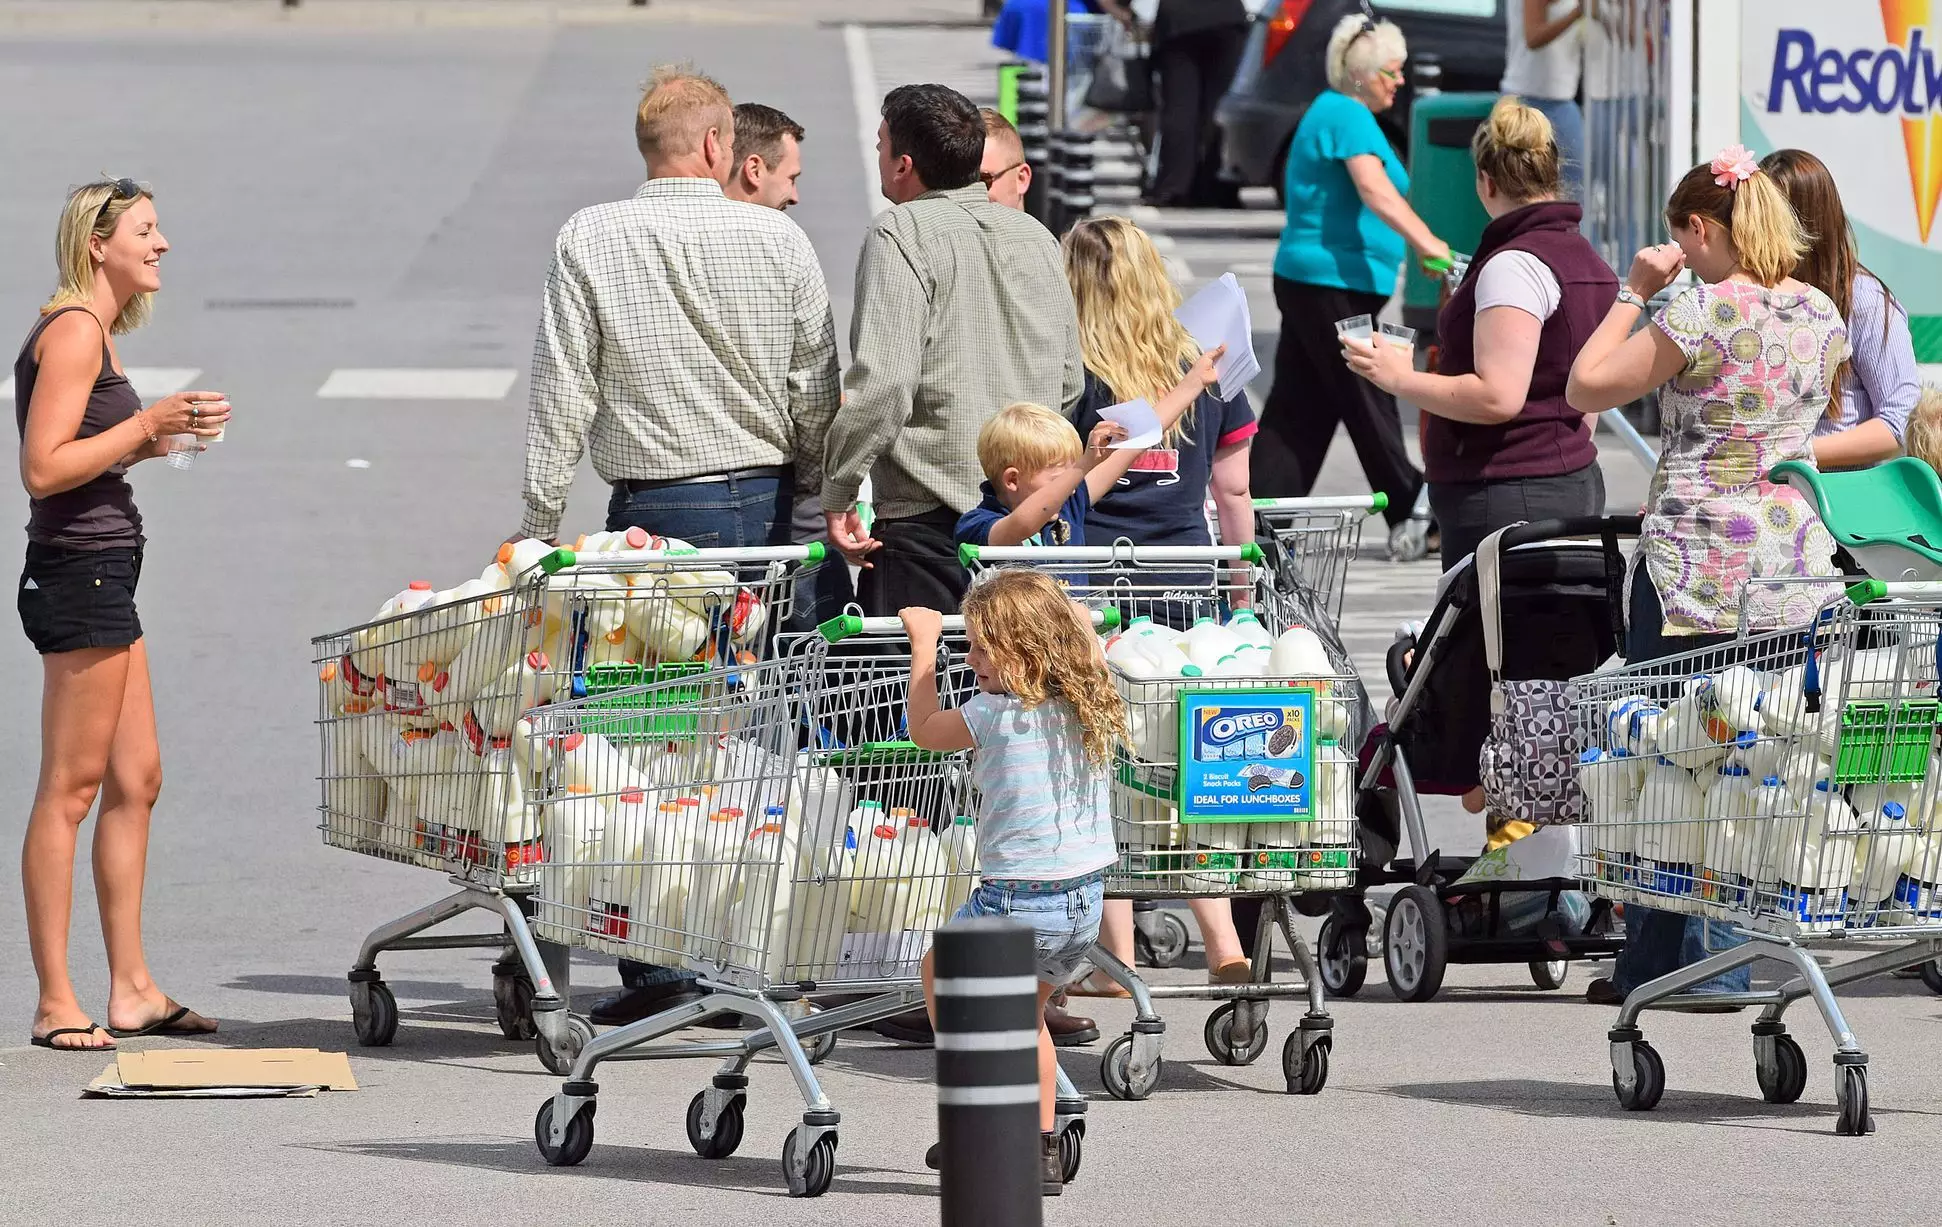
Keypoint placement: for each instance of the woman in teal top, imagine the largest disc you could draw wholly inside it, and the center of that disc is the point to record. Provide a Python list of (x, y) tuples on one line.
[(1347, 232)]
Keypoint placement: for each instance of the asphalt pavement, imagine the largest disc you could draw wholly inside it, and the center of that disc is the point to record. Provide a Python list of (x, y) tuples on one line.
[(361, 201)]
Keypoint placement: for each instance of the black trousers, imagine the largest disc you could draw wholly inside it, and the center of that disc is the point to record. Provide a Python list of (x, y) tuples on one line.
[(1313, 391), (1194, 70), (917, 565), (1468, 511)]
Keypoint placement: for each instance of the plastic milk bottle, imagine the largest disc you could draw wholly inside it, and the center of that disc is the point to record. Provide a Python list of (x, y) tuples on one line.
[(717, 882), (1887, 847), (882, 892), (1671, 833), (572, 830), (960, 843), (815, 944), (927, 868), (1299, 652)]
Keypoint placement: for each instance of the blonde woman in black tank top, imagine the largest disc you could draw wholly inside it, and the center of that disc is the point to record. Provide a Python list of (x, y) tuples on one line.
[(81, 428)]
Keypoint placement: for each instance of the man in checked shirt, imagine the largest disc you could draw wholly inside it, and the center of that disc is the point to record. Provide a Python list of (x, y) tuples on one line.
[(685, 339)]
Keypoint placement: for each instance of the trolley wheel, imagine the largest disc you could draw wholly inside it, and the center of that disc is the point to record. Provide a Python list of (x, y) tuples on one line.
[(1786, 1078), (1306, 1073), (728, 1128), (1415, 944), (1932, 975), (1344, 958), (578, 1141), (374, 1013), (820, 1167), (1168, 942), (818, 1049), (560, 1060), (1225, 1046), (1549, 973), (1851, 1096), (1072, 1149), (1116, 1071), (512, 1005), (1649, 1074)]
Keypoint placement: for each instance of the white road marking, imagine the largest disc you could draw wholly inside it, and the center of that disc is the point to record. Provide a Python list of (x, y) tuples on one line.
[(418, 383), (149, 382), (869, 111)]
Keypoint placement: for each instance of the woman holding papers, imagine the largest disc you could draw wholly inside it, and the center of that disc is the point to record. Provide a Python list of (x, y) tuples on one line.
[(1502, 445), (1135, 349), (1344, 241)]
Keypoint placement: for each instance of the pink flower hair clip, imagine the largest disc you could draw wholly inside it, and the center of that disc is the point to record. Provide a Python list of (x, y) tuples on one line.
[(1733, 166)]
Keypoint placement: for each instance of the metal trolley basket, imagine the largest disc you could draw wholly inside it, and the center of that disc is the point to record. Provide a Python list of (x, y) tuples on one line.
[(1781, 787), (1311, 543), (1276, 829), (423, 764), (788, 843)]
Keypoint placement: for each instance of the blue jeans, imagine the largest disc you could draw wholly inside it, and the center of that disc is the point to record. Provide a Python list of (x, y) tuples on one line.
[(1659, 942), (1065, 923), (733, 514), (1568, 126)]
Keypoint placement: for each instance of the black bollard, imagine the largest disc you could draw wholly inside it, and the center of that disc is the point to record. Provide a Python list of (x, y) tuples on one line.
[(1075, 179), (1035, 135), (987, 1074)]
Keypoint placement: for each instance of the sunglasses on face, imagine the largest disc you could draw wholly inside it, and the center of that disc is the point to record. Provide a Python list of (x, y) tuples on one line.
[(993, 176), (122, 189)]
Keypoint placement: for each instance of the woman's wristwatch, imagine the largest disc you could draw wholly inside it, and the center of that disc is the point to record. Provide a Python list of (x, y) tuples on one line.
[(1630, 296)]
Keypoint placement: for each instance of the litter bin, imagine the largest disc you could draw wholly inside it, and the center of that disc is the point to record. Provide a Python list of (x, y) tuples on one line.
[(1442, 188)]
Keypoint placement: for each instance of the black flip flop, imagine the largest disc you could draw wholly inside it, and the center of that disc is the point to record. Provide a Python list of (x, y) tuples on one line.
[(162, 1026), (47, 1041)]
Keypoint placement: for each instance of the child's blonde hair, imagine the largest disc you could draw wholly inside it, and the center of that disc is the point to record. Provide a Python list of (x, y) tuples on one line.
[(1923, 439), (1026, 437), (1043, 647)]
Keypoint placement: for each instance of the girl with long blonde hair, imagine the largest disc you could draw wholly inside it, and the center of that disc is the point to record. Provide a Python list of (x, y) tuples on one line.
[(1134, 347), (1043, 724)]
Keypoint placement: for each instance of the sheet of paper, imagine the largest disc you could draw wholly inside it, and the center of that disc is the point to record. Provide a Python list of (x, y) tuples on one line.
[(1218, 315), (1141, 423)]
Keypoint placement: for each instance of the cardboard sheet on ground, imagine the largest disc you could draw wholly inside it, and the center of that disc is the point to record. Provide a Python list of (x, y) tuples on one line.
[(1547, 852), (1141, 423), (218, 1073), (1218, 315)]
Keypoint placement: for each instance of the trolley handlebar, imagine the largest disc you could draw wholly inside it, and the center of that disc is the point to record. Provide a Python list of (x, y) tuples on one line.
[(813, 552), (846, 626), (1870, 590), (1368, 503), (1121, 551)]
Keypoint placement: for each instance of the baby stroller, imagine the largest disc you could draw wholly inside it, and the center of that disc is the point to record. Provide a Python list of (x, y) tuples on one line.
[(1561, 589)]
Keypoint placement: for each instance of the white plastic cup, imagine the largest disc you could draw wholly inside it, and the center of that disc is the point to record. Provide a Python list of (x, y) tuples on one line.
[(1400, 336), (1356, 327)]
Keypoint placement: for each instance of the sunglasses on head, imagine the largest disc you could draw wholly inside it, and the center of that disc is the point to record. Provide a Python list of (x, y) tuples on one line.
[(989, 178), (120, 189)]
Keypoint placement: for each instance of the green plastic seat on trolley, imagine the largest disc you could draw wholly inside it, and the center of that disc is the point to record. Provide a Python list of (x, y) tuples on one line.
[(1888, 518)]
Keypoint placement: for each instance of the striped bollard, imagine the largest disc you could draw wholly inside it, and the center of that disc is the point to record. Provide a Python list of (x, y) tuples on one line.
[(987, 1074)]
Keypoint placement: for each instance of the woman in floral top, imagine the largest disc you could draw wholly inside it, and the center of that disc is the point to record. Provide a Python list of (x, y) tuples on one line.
[(1743, 363)]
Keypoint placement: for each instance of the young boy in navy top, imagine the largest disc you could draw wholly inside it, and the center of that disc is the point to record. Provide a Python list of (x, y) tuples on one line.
[(1040, 479)]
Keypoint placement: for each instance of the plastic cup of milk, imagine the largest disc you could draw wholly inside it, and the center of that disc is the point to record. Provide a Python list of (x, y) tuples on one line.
[(1356, 327)]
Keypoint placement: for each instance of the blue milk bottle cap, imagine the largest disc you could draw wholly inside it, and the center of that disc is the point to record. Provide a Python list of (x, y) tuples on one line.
[(1894, 811), (1772, 781), (1592, 755), (1734, 769), (1746, 739)]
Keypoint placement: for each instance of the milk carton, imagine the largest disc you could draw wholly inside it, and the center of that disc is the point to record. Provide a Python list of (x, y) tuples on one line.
[(572, 829), (1887, 847), (960, 844), (717, 878), (1299, 652), (1671, 836), (1632, 724)]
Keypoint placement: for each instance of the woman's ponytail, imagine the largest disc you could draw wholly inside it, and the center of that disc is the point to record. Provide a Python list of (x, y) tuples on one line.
[(1750, 206), (1766, 232)]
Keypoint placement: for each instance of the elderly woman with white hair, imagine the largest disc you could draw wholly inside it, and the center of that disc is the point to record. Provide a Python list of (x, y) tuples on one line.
[(1341, 248)]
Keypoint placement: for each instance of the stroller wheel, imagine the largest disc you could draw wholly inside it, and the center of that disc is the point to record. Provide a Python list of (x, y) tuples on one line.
[(1549, 973), (1344, 958), (1415, 947)]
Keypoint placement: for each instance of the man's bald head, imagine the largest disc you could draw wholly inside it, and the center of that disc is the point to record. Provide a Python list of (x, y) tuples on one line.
[(685, 125)]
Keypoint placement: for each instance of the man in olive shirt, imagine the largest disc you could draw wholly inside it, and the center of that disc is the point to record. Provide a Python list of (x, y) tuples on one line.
[(961, 308)]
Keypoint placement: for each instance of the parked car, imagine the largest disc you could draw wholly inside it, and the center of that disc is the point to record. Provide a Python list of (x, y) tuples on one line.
[(1282, 71)]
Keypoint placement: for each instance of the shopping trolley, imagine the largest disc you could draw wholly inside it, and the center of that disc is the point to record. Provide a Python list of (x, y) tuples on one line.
[(1277, 824), (1311, 542), (422, 763), (1787, 792), (789, 843)]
